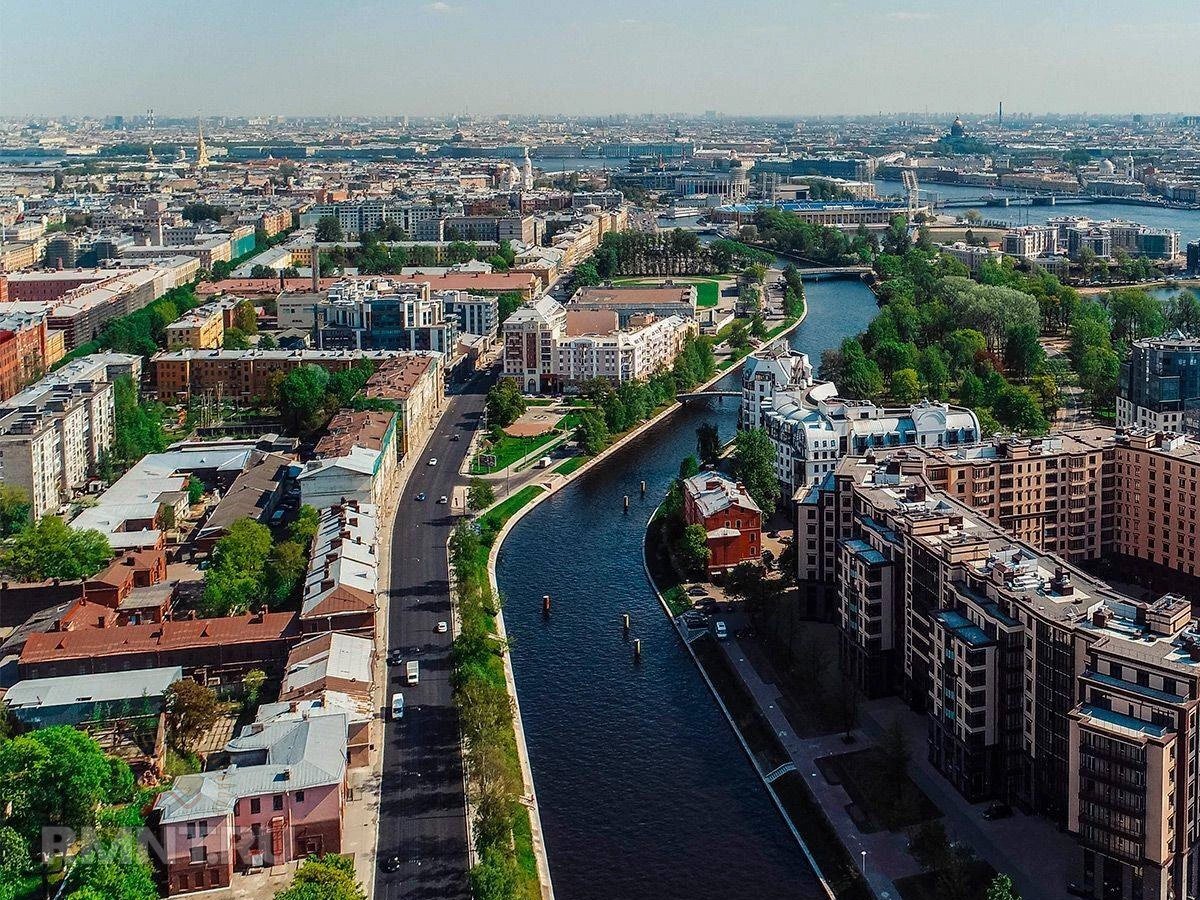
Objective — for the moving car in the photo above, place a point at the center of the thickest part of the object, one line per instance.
(443, 499)
(456, 437)
(397, 705)
(421, 496)
(390, 863)
(433, 460)
(721, 631)
(441, 628)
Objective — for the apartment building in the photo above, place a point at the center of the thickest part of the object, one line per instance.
(244, 374)
(595, 347)
(1159, 385)
(1043, 686)
(731, 519)
(514, 228)
(416, 383)
(53, 432)
(531, 336)
(343, 572)
(203, 328)
(25, 351)
(381, 314)
(422, 221)
(637, 300)
(475, 313)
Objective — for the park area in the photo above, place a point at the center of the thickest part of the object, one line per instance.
(708, 290)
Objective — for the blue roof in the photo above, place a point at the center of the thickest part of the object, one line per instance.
(1124, 721)
(865, 552)
(880, 529)
(1144, 690)
(963, 627)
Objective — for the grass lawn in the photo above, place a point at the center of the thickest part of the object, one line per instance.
(677, 600)
(925, 886)
(569, 422)
(886, 802)
(509, 450)
(566, 468)
(832, 858)
(708, 290)
(493, 520)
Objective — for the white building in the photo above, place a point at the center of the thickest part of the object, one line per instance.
(620, 355)
(475, 313)
(772, 369)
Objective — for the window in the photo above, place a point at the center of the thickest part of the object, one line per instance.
(277, 802)
(199, 854)
(191, 830)
(300, 796)
(255, 806)
(203, 829)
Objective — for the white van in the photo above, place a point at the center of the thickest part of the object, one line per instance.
(413, 669)
(397, 706)
(721, 631)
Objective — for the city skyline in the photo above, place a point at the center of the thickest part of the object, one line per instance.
(593, 61)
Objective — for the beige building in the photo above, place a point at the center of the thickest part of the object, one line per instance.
(201, 329)
(416, 384)
(595, 347)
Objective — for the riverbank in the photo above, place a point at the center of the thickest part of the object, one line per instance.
(545, 490)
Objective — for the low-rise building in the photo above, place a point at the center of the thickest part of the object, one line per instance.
(628, 301)
(729, 515)
(416, 384)
(343, 572)
(76, 699)
(356, 459)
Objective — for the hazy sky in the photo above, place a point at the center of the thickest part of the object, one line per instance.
(204, 57)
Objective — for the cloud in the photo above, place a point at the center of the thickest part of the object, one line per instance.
(909, 16)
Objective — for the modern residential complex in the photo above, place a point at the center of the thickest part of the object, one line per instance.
(1159, 385)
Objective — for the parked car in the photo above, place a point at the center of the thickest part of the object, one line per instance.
(433, 460)
(441, 628)
(394, 657)
(456, 437)
(443, 499)
(997, 810)
(721, 631)
(413, 671)
(397, 705)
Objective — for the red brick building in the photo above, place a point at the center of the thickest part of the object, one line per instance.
(730, 516)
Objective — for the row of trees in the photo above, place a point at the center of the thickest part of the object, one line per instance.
(485, 711)
(782, 231)
(49, 549)
(619, 409)
(249, 566)
(372, 256)
(667, 253)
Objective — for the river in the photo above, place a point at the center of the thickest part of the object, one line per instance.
(644, 790)
(1185, 221)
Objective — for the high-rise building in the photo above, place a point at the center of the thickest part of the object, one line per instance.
(1159, 386)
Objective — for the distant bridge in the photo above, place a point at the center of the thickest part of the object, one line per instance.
(693, 395)
(816, 273)
(1035, 200)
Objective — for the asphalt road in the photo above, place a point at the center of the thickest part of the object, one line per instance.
(422, 809)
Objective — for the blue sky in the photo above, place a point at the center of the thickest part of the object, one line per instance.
(487, 56)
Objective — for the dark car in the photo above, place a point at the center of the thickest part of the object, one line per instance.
(390, 863)
(456, 437)
(394, 657)
(997, 811)
(421, 496)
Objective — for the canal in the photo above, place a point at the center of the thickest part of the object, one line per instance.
(644, 790)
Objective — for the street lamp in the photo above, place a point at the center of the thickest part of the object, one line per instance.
(863, 853)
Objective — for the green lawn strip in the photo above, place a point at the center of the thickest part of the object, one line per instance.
(822, 840)
(566, 468)
(539, 401)
(708, 290)
(888, 803)
(493, 520)
(508, 450)
(926, 885)
(677, 600)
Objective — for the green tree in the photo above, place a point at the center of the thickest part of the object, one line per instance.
(55, 776)
(137, 427)
(1018, 409)
(50, 548)
(115, 867)
(195, 489)
(1002, 888)
(585, 274)
(708, 443)
(930, 845)
(237, 576)
(693, 549)
(689, 467)
(191, 710)
(252, 685)
(329, 229)
(304, 526)
(1023, 352)
(121, 785)
(905, 386)
(283, 572)
(495, 876)
(592, 433)
(480, 494)
(14, 856)
(754, 463)
(328, 877)
(235, 339)
(505, 403)
(15, 509)
(301, 397)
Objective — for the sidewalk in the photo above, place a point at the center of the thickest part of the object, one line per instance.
(887, 858)
(1031, 849)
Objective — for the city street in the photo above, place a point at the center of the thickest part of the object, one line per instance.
(422, 809)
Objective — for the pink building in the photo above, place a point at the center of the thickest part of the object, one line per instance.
(280, 799)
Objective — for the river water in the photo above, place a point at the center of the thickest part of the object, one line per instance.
(1185, 221)
(644, 790)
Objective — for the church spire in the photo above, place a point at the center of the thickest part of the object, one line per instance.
(201, 147)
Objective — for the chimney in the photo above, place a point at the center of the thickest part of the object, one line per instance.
(316, 268)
